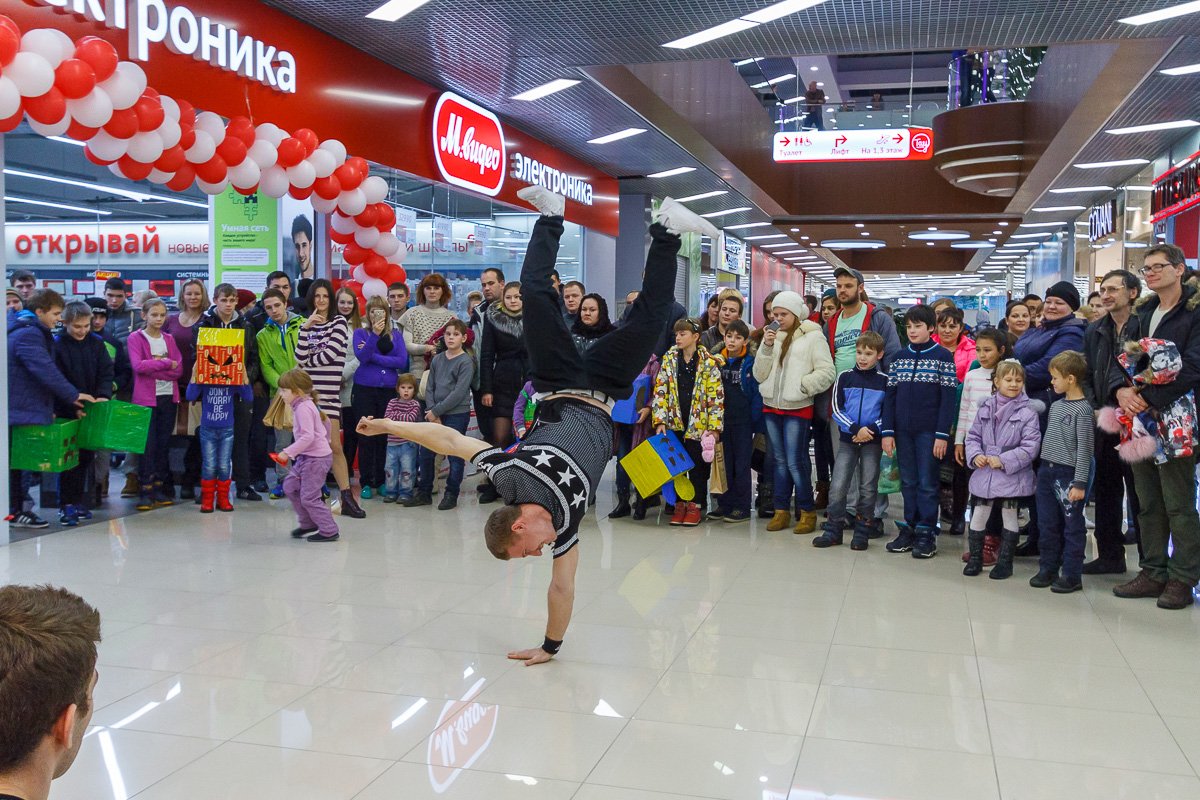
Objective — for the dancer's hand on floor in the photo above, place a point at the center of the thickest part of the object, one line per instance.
(534, 655)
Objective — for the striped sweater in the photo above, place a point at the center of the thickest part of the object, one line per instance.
(321, 352)
(1069, 438)
(922, 391)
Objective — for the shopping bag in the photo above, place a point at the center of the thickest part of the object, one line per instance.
(45, 448)
(114, 425)
(889, 475)
(279, 414)
(221, 356)
(718, 481)
(656, 461)
(187, 418)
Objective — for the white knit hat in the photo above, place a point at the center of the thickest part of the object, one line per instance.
(793, 302)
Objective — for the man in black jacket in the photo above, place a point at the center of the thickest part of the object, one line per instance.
(1167, 491)
(1102, 343)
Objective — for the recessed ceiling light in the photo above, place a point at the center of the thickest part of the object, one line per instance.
(936, 235)
(667, 173)
(795, 230)
(1163, 13)
(746, 225)
(821, 85)
(717, 193)
(774, 81)
(1135, 245)
(1121, 162)
(766, 236)
(1188, 69)
(931, 229)
(737, 210)
(538, 92)
(715, 32)
(1041, 224)
(789, 252)
(746, 61)
(1157, 126)
(859, 225)
(930, 244)
(1081, 189)
(1052, 209)
(779, 244)
(997, 233)
(618, 136)
(804, 238)
(971, 245)
(395, 9)
(1139, 188)
(778, 10)
(853, 244)
(1002, 224)
(1030, 235)
(814, 69)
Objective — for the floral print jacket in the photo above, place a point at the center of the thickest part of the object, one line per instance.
(708, 397)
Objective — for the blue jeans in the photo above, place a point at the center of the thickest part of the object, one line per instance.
(400, 470)
(459, 423)
(859, 461)
(216, 453)
(918, 477)
(737, 440)
(793, 470)
(1062, 533)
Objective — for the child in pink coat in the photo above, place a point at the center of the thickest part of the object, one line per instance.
(310, 455)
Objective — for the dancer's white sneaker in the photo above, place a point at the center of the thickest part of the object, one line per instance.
(544, 200)
(677, 219)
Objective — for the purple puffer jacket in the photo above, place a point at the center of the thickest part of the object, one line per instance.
(1008, 428)
(376, 368)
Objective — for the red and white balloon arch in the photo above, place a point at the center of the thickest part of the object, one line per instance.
(83, 90)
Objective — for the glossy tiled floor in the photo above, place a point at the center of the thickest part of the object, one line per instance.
(719, 662)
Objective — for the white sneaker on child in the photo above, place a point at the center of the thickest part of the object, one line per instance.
(544, 200)
(677, 219)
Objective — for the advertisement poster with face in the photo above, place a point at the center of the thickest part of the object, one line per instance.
(298, 239)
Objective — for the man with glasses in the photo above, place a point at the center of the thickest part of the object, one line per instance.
(1167, 491)
(1102, 343)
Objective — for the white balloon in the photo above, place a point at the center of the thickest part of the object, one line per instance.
(212, 188)
(211, 124)
(170, 133)
(374, 287)
(388, 245)
(342, 223)
(170, 107)
(107, 147)
(115, 169)
(31, 73)
(360, 274)
(263, 153)
(245, 175)
(146, 147)
(336, 149)
(375, 188)
(46, 43)
(323, 163)
(55, 129)
(270, 132)
(202, 149)
(322, 205)
(121, 90)
(367, 237)
(134, 73)
(10, 98)
(274, 182)
(302, 175)
(94, 111)
(160, 177)
(352, 202)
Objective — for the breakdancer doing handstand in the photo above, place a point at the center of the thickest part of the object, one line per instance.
(547, 481)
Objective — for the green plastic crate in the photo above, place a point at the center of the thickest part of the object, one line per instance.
(114, 425)
(45, 448)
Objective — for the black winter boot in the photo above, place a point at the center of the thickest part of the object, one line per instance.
(1004, 559)
(975, 560)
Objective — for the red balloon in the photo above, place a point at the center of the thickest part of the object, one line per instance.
(187, 138)
(246, 192)
(291, 152)
(80, 133)
(387, 218)
(10, 45)
(240, 128)
(75, 78)
(233, 150)
(183, 179)
(353, 286)
(300, 194)
(134, 170)
(95, 159)
(99, 54)
(341, 238)
(368, 217)
(47, 109)
(360, 166)
(327, 188)
(172, 159)
(395, 274)
(375, 265)
(187, 114)
(212, 171)
(12, 122)
(123, 125)
(308, 139)
(149, 111)
(355, 255)
(348, 177)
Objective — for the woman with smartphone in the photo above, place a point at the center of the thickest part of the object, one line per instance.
(381, 361)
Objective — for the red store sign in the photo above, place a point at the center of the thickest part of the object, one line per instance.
(344, 94)
(468, 145)
(1176, 190)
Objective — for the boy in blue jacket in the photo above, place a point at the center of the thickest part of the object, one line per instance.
(918, 410)
(743, 407)
(858, 399)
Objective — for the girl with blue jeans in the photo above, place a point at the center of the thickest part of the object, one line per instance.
(216, 439)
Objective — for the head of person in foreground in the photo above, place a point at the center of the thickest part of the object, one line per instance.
(48, 640)
(519, 530)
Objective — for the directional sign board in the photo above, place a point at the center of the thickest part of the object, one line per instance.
(889, 144)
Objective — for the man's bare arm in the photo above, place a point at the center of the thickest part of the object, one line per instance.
(438, 438)
(560, 599)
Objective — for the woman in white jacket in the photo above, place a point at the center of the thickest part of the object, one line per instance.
(792, 367)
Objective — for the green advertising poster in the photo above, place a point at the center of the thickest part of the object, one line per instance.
(245, 231)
